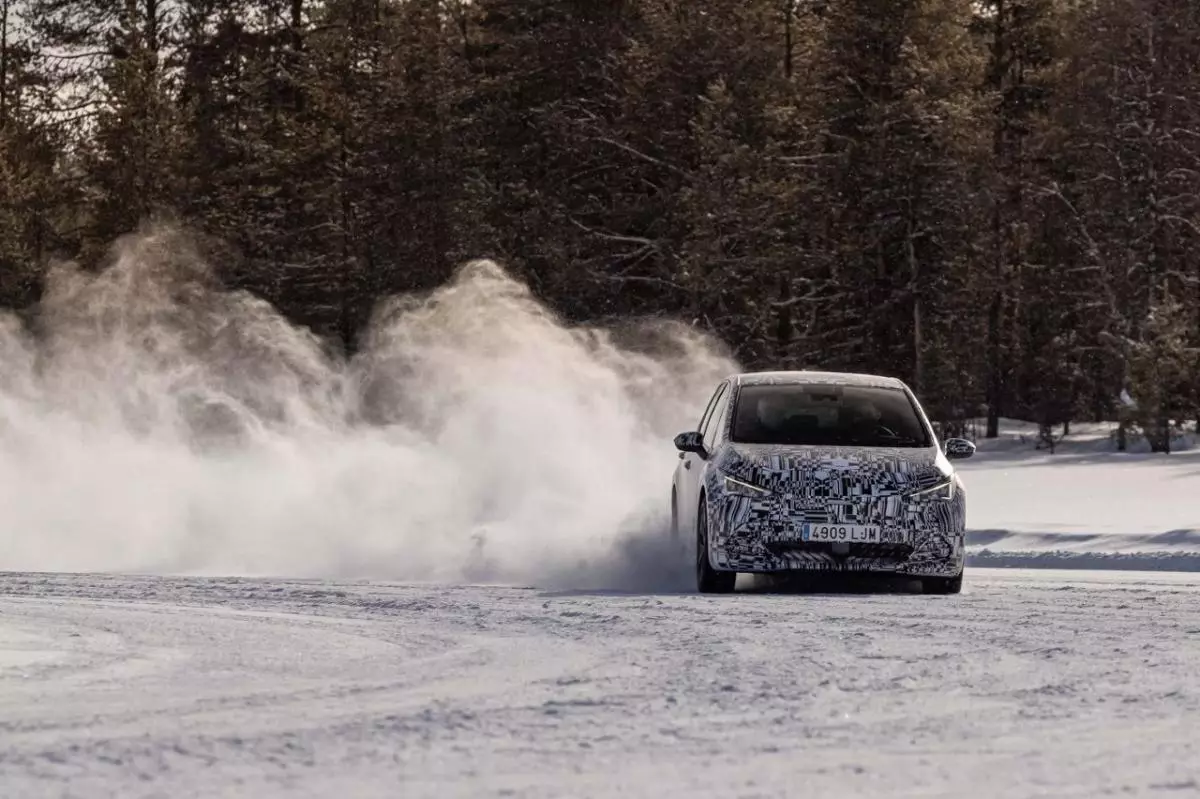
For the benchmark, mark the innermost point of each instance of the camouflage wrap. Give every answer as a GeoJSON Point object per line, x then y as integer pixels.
{"type": "Point", "coordinates": [921, 535]}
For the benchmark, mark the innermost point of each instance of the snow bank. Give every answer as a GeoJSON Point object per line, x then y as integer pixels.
{"type": "Point", "coordinates": [1087, 506]}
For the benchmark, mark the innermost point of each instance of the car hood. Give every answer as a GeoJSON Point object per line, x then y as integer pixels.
{"type": "Point", "coordinates": [835, 471]}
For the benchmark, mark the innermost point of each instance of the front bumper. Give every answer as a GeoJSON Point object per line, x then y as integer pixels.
{"type": "Point", "coordinates": [925, 541]}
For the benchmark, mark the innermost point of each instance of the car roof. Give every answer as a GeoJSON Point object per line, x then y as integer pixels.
{"type": "Point", "coordinates": [815, 378]}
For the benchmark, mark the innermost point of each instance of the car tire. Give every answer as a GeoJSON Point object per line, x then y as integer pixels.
{"type": "Point", "coordinates": [708, 579]}
{"type": "Point", "coordinates": [943, 585]}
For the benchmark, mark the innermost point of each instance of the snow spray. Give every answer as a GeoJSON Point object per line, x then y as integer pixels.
{"type": "Point", "coordinates": [152, 421]}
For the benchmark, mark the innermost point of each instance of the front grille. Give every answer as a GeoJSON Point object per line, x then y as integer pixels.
{"type": "Point", "coordinates": [853, 550]}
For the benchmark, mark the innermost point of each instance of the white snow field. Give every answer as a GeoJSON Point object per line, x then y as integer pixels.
{"type": "Point", "coordinates": [1030, 683]}
{"type": "Point", "coordinates": [1086, 505]}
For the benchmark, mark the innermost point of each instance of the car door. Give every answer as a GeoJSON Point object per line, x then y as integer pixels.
{"type": "Point", "coordinates": [690, 471]}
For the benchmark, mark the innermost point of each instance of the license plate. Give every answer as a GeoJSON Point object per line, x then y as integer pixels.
{"type": "Point", "coordinates": [840, 532]}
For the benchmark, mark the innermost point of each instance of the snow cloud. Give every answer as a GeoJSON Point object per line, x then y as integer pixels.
{"type": "Point", "coordinates": [151, 421]}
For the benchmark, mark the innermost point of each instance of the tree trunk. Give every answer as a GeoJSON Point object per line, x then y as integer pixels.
{"type": "Point", "coordinates": [918, 343]}
{"type": "Point", "coordinates": [345, 316]}
{"type": "Point", "coordinates": [297, 37]}
{"type": "Point", "coordinates": [3, 63]}
{"type": "Point", "coordinates": [783, 322]}
{"type": "Point", "coordinates": [789, 12]}
{"type": "Point", "coordinates": [151, 28]}
{"type": "Point", "coordinates": [995, 310]}
{"type": "Point", "coordinates": [994, 383]}
{"type": "Point", "coordinates": [1158, 434]}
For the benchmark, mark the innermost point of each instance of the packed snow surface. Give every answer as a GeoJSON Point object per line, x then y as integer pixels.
{"type": "Point", "coordinates": [1069, 684]}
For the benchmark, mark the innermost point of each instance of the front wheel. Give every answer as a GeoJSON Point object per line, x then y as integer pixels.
{"type": "Point", "coordinates": [708, 579]}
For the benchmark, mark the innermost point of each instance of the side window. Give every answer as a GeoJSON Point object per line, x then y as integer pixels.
{"type": "Point", "coordinates": [713, 424]}
{"type": "Point", "coordinates": [712, 401]}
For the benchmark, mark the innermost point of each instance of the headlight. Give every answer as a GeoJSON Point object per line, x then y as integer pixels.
{"type": "Point", "coordinates": [741, 488]}
{"type": "Point", "coordinates": [943, 491]}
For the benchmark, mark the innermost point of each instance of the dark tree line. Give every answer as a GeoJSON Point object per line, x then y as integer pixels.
{"type": "Point", "coordinates": [998, 200]}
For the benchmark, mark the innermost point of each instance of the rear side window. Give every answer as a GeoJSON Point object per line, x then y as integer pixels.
{"type": "Point", "coordinates": [818, 415]}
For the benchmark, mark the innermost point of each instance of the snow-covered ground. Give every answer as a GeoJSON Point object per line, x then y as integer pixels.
{"type": "Point", "coordinates": [1076, 684]}
{"type": "Point", "coordinates": [1056, 682]}
{"type": "Point", "coordinates": [1086, 505]}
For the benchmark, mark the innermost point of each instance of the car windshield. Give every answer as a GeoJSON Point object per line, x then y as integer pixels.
{"type": "Point", "coordinates": [821, 415]}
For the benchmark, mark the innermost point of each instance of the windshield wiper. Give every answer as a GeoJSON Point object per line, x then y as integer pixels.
{"type": "Point", "coordinates": [904, 441]}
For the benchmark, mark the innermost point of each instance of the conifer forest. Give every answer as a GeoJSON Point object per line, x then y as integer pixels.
{"type": "Point", "coordinates": [997, 201]}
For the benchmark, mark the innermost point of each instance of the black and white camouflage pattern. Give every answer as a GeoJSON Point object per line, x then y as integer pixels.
{"type": "Point", "coordinates": [919, 536]}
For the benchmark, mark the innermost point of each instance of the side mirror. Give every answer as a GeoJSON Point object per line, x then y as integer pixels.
{"type": "Point", "coordinates": [691, 441]}
{"type": "Point", "coordinates": [958, 448]}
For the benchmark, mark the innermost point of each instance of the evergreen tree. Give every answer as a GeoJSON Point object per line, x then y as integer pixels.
{"type": "Point", "coordinates": [1021, 39]}
{"type": "Point", "coordinates": [997, 201]}
{"type": "Point", "coordinates": [898, 106]}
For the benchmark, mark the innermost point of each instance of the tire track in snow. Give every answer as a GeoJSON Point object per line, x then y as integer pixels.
{"type": "Point", "coordinates": [1028, 682]}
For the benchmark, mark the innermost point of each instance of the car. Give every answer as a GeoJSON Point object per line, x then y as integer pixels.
{"type": "Point", "coordinates": [804, 471]}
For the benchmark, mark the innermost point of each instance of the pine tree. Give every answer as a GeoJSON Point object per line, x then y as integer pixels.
{"type": "Point", "coordinates": [539, 152]}
{"type": "Point", "coordinates": [105, 73]}
{"type": "Point", "coordinates": [1162, 372]}
{"type": "Point", "coordinates": [898, 108]}
{"type": "Point", "coordinates": [1130, 181]}
{"type": "Point", "coordinates": [1020, 36]}
{"type": "Point", "coordinates": [29, 182]}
